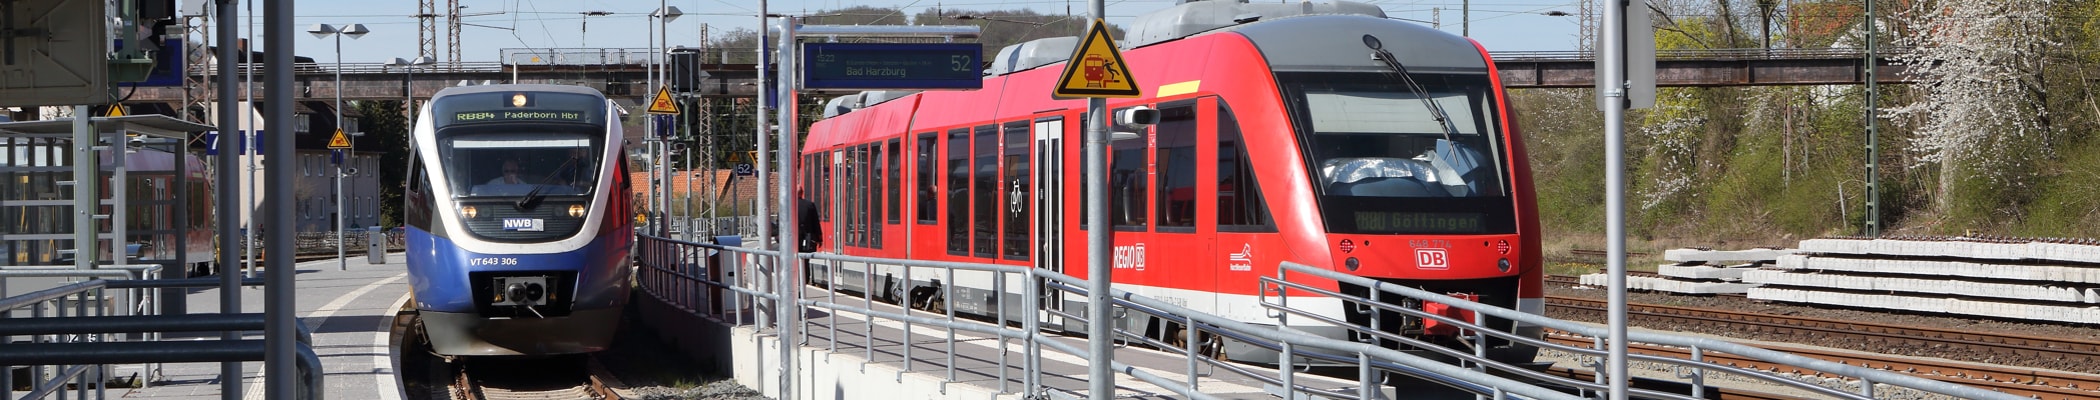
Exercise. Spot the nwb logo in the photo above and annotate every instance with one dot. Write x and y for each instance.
(524, 224)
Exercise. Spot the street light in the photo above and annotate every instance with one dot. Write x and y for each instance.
(354, 31)
(657, 36)
(409, 90)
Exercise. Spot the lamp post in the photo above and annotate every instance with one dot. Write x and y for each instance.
(353, 31)
(409, 90)
(662, 176)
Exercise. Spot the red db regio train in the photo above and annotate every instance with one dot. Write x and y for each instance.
(1318, 133)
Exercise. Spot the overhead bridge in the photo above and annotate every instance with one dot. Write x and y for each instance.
(1519, 70)
(1710, 68)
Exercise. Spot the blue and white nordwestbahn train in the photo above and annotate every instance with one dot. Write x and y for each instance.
(518, 240)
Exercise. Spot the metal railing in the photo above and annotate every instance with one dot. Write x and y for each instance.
(718, 282)
(80, 342)
(1694, 371)
(723, 282)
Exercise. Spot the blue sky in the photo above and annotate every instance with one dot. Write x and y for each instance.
(1500, 25)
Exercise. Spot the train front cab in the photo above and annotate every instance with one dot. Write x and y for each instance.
(502, 268)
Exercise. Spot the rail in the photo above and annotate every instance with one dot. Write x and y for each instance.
(79, 342)
(1694, 371)
(696, 278)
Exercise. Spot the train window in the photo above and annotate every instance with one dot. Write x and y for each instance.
(417, 204)
(859, 209)
(895, 175)
(1176, 169)
(984, 175)
(958, 191)
(1402, 169)
(851, 207)
(926, 185)
(875, 184)
(1240, 207)
(1405, 149)
(1127, 197)
(500, 161)
(828, 192)
(1015, 186)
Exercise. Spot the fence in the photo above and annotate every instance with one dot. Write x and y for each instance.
(74, 327)
(684, 275)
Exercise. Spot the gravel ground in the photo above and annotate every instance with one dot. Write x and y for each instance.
(2009, 327)
(649, 372)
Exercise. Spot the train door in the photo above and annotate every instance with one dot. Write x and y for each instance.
(1050, 213)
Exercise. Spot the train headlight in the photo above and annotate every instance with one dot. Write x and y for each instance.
(576, 210)
(469, 212)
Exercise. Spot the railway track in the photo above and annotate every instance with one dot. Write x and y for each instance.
(542, 379)
(2040, 384)
(427, 377)
(2027, 381)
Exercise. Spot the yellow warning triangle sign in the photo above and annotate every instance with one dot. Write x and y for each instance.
(1096, 70)
(662, 104)
(339, 141)
(115, 110)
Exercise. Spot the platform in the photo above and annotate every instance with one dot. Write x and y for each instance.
(349, 312)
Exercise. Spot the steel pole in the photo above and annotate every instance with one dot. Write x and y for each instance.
(340, 263)
(759, 118)
(1102, 379)
(282, 309)
(790, 268)
(1873, 136)
(1612, 67)
(248, 109)
(228, 209)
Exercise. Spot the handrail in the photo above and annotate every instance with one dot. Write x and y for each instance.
(1876, 376)
(100, 353)
(673, 274)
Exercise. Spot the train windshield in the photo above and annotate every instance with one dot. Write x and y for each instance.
(1386, 158)
(492, 161)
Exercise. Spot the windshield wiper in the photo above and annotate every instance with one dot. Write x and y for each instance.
(532, 198)
(1378, 53)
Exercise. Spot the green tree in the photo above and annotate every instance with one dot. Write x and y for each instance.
(386, 125)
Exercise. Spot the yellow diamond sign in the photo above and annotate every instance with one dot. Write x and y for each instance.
(1096, 69)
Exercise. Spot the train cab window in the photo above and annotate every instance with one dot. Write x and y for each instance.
(490, 161)
(1393, 155)
(1127, 197)
(1014, 185)
(985, 191)
(1176, 166)
(926, 184)
(959, 191)
(1240, 207)
(891, 185)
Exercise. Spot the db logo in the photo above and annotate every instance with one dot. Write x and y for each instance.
(1431, 259)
